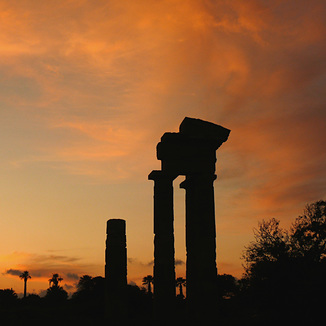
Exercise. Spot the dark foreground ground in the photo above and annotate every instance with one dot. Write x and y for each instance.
(230, 312)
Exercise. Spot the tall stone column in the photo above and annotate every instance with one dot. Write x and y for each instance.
(164, 271)
(201, 247)
(116, 271)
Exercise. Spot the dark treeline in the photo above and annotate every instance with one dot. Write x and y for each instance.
(85, 307)
(284, 283)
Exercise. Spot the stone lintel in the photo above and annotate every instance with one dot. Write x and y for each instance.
(172, 140)
(203, 129)
(186, 156)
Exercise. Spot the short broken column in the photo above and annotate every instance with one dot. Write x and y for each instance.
(164, 271)
(116, 270)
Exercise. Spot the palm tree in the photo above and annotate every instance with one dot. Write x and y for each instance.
(55, 279)
(25, 276)
(179, 282)
(148, 280)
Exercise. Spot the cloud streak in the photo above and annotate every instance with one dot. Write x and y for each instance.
(14, 272)
(42, 266)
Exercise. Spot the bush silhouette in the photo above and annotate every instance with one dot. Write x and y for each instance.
(56, 293)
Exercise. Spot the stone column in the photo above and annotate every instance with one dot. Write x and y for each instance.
(116, 271)
(164, 271)
(201, 247)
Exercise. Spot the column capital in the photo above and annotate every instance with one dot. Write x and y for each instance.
(157, 175)
(197, 177)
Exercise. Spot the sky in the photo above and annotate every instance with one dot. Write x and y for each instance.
(87, 88)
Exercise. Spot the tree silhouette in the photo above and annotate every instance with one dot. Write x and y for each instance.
(85, 283)
(148, 280)
(7, 297)
(55, 279)
(270, 245)
(180, 282)
(308, 233)
(285, 270)
(227, 286)
(305, 243)
(56, 293)
(85, 288)
(25, 276)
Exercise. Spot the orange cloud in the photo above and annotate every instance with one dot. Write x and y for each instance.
(114, 74)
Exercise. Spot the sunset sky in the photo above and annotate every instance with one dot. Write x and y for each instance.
(89, 87)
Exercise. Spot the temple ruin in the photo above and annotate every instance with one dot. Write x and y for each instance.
(190, 152)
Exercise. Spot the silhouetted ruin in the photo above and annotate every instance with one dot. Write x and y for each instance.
(116, 270)
(190, 152)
